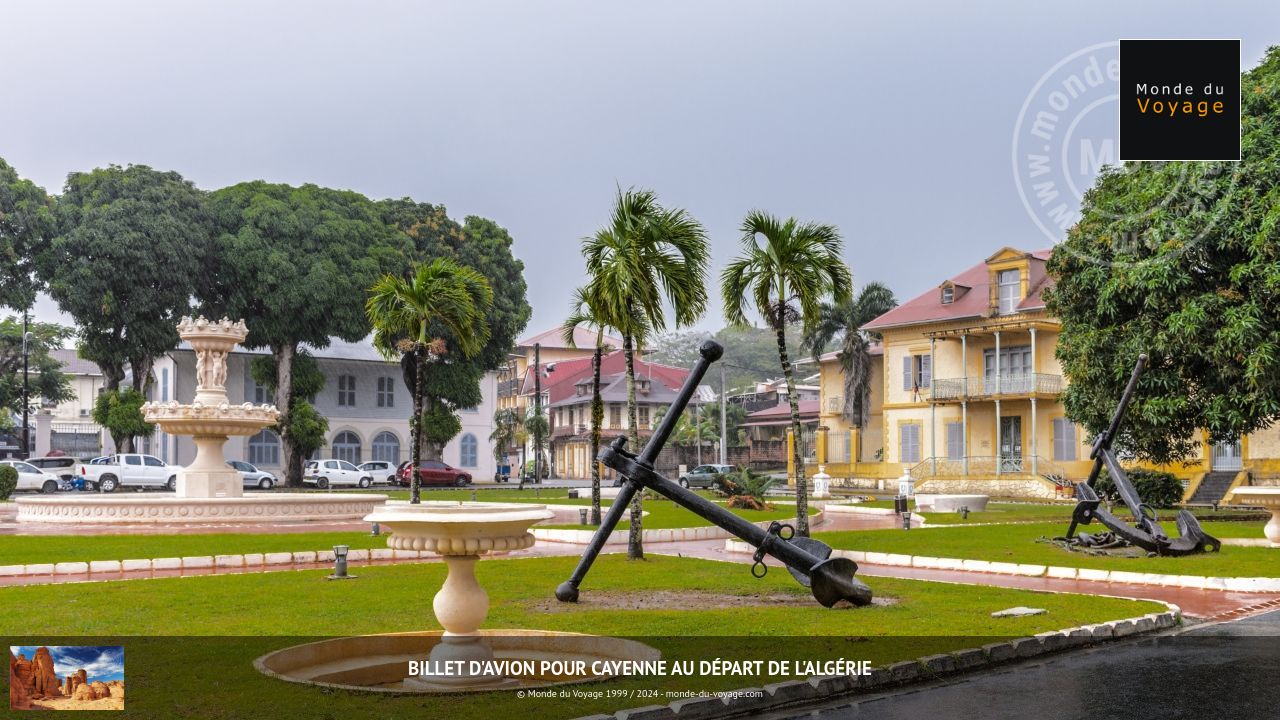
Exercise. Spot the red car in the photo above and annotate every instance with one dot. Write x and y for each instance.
(434, 472)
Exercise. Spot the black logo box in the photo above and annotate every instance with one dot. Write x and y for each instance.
(1161, 77)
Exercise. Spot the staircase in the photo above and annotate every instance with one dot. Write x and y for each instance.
(1213, 487)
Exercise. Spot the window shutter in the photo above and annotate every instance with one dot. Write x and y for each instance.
(906, 372)
(926, 371)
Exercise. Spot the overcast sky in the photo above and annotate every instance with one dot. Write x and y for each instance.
(892, 120)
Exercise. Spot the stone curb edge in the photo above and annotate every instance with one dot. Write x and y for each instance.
(619, 537)
(1233, 584)
(115, 567)
(755, 700)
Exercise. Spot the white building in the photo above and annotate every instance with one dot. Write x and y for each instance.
(364, 399)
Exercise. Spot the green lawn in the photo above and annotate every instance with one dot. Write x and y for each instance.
(663, 514)
(1018, 543)
(1010, 512)
(212, 677)
(31, 549)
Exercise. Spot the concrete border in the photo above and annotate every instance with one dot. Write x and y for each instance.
(753, 701)
(115, 569)
(1233, 584)
(689, 534)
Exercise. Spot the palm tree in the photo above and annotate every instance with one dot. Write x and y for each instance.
(408, 312)
(645, 258)
(504, 433)
(786, 277)
(844, 320)
(586, 311)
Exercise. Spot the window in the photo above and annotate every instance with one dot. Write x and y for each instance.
(642, 416)
(346, 446)
(467, 456)
(264, 448)
(386, 446)
(347, 390)
(260, 394)
(164, 384)
(917, 371)
(132, 460)
(909, 443)
(386, 392)
(152, 461)
(344, 465)
(615, 416)
(1009, 290)
(955, 441)
(1064, 439)
(948, 294)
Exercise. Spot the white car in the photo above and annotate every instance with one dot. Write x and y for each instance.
(31, 477)
(252, 476)
(326, 473)
(130, 470)
(381, 470)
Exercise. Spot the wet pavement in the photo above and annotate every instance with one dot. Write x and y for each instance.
(1225, 670)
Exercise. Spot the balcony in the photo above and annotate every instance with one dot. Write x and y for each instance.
(989, 388)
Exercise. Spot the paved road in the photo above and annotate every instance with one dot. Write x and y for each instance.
(1213, 672)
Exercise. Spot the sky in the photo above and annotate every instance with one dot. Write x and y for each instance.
(101, 663)
(894, 121)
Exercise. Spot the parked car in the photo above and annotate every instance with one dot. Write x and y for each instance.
(252, 476)
(131, 470)
(380, 470)
(703, 476)
(435, 472)
(324, 473)
(63, 466)
(31, 477)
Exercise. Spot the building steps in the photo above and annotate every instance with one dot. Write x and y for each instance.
(1213, 487)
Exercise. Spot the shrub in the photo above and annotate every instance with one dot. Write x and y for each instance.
(744, 490)
(1156, 488)
(8, 481)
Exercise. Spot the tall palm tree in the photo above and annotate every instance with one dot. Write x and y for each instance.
(646, 258)
(845, 320)
(786, 269)
(586, 311)
(404, 312)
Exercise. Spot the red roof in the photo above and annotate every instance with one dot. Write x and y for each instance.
(583, 338)
(781, 413)
(972, 297)
(559, 383)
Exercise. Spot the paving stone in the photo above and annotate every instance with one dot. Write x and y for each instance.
(280, 558)
(791, 691)
(1144, 625)
(71, 568)
(254, 559)
(228, 560)
(1052, 641)
(938, 664)
(304, 557)
(904, 671)
(353, 555)
(1000, 652)
(40, 569)
(135, 565)
(13, 570)
(104, 566)
(1079, 636)
(199, 561)
(1028, 647)
(826, 685)
(648, 712)
(969, 658)
(697, 708)
(876, 678)
(1102, 631)
(1123, 628)
(1020, 611)
(166, 564)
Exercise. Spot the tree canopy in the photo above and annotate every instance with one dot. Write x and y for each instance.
(1180, 261)
(26, 224)
(131, 245)
(44, 373)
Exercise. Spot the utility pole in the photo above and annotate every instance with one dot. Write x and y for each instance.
(537, 409)
(697, 428)
(724, 433)
(26, 390)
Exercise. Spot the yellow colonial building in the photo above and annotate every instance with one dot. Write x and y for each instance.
(965, 398)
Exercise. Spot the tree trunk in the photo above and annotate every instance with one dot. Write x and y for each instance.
(415, 427)
(797, 432)
(635, 538)
(597, 416)
(142, 372)
(284, 403)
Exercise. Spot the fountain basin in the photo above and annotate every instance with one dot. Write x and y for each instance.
(167, 508)
(1266, 497)
(379, 663)
(459, 528)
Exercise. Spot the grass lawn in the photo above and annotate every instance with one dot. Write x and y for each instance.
(1009, 512)
(31, 549)
(212, 676)
(1018, 543)
(663, 514)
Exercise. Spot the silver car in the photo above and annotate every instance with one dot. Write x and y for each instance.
(252, 476)
(704, 475)
(381, 470)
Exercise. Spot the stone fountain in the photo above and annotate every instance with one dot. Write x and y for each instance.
(208, 491)
(461, 533)
(1265, 497)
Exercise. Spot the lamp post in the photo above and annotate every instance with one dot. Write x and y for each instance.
(340, 563)
(26, 389)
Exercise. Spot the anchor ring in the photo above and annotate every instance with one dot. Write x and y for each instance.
(764, 570)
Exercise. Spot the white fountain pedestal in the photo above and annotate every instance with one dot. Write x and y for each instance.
(460, 533)
(1267, 497)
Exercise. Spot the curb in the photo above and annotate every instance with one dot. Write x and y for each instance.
(115, 568)
(1232, 584)
(756, 700)
(619, 537)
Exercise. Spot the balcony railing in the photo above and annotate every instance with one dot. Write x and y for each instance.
(1006, 385)
(986, 466)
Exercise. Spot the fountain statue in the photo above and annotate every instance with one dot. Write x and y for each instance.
(210, 419)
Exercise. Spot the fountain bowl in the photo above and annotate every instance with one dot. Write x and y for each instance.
(1266, 497)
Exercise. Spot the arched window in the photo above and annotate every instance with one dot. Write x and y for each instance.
(264, 448)
(346, 446)
(468, 451)
(386, 446)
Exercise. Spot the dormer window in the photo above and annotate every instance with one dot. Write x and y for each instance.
(1009, 290)
(948, 294)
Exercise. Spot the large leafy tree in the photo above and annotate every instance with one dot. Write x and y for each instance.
(588, 312)
(120, 412)
(645, 258)
(784, 273)
(843, 321)
(26, 224)
(132, 243)
(1180, 261)
(485, 247)
(45, 378)
(295, 264)
(404, 311)
(307, 427)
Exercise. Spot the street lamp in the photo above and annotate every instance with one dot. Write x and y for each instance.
(27, 337)
(340, 563)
